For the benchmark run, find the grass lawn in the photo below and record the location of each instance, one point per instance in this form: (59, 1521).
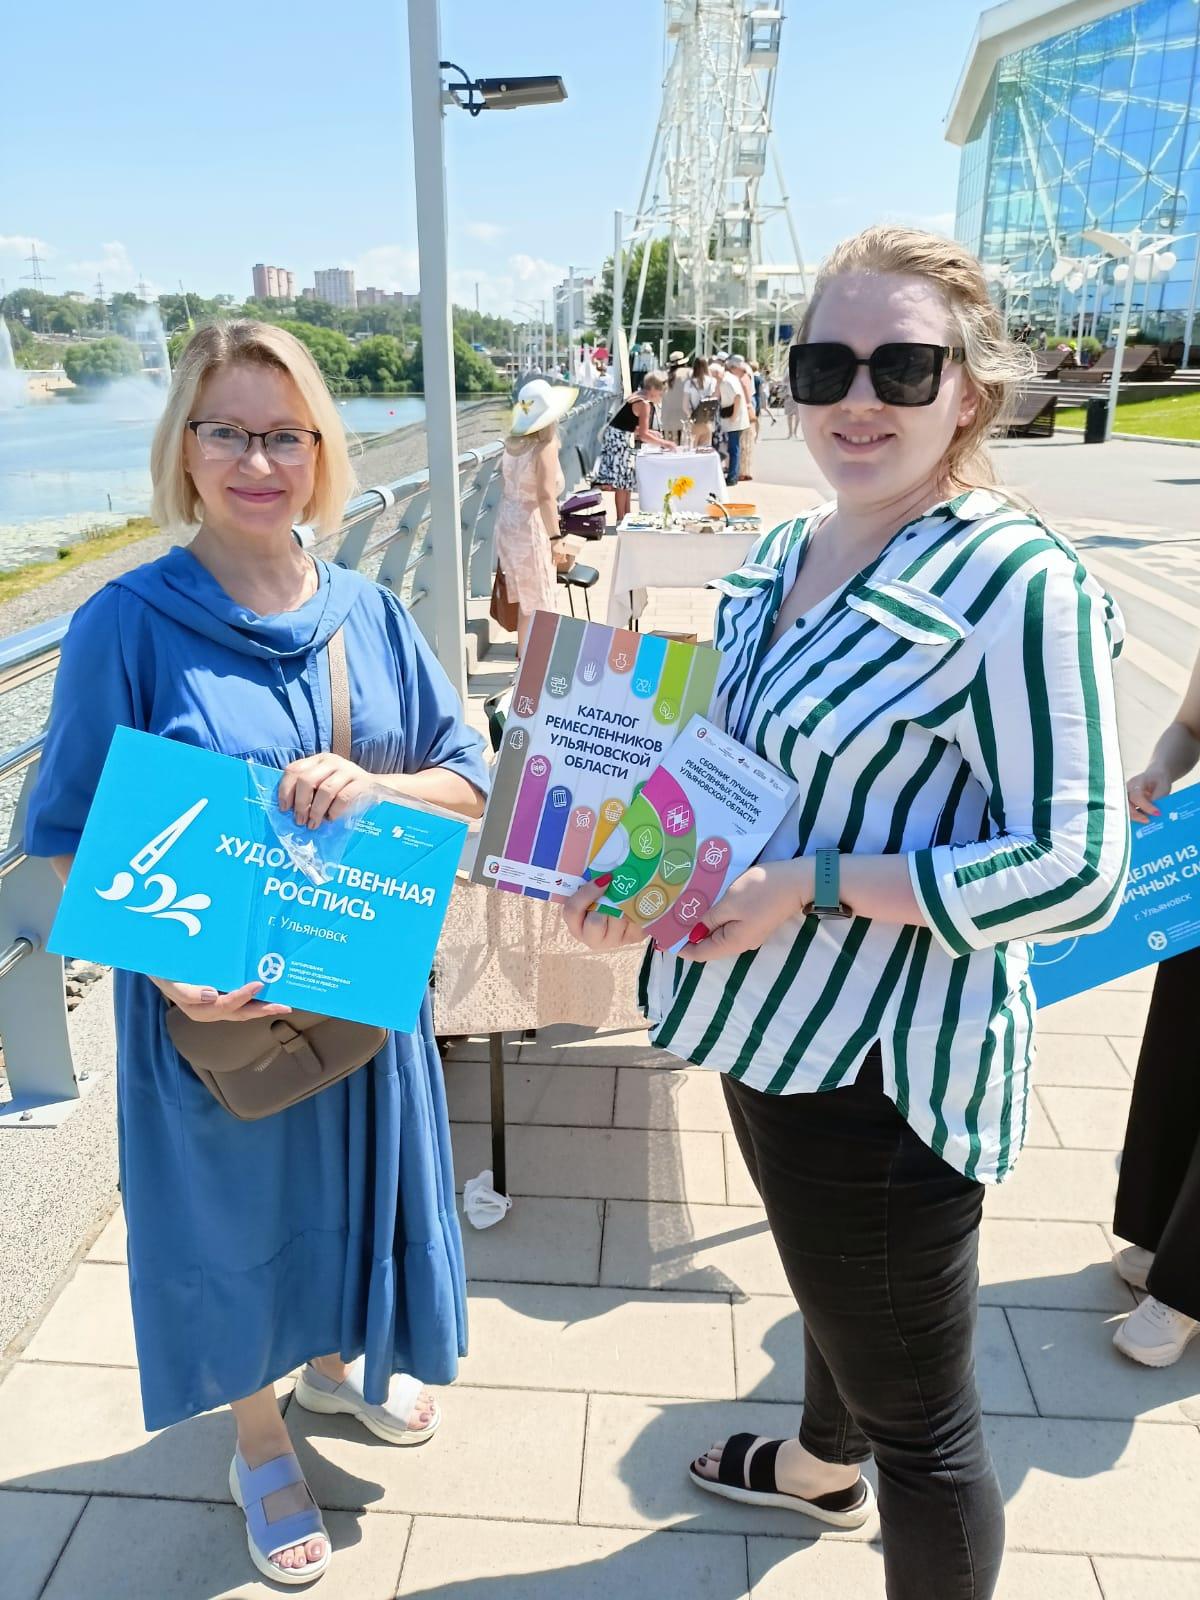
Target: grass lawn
(1176, 417)
(31, 576)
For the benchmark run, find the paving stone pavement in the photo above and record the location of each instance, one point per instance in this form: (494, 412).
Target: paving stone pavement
(630, 1310)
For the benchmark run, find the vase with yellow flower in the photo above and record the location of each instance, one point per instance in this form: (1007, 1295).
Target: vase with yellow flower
(675, 490)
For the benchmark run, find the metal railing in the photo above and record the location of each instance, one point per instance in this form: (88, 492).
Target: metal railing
(386, 534)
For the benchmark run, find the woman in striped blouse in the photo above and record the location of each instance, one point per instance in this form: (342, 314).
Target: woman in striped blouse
(934, 666)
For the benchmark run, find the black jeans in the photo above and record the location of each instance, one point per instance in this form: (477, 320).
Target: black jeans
(1158, 1195)
(879, 1240)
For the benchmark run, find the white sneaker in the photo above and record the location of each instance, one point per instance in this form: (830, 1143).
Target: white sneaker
(1155, 1334)
(1134, 1263)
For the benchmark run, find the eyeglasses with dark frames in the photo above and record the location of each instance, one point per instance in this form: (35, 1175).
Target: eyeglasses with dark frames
(902, 373)
(225, 441)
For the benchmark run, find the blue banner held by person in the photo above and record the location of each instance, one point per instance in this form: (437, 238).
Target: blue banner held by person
(1159, 915)
(187, 870)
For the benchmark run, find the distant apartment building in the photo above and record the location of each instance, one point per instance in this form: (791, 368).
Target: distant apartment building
(382, 297)
(572, 298)
(274, 283)
(336, 285)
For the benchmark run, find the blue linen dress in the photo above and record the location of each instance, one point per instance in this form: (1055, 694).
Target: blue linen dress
(331, 1226)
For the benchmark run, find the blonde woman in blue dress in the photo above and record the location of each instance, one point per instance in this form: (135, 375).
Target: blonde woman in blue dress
(324, 1237)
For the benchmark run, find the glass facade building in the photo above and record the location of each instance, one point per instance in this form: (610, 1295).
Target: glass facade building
(1097, 126)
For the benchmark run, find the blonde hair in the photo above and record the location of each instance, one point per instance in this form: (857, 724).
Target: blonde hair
(523, 444)
(995, 365)
(252, 344)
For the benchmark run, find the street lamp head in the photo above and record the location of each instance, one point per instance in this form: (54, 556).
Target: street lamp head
(507, 94)
(503, 94)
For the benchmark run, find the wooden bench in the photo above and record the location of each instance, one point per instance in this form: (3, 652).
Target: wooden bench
(1141, 363)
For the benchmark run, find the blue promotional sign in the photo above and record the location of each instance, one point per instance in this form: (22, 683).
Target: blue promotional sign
(187, 870)
(1159, 915)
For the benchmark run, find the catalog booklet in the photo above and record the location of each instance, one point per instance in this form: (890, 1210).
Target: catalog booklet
(594, 710)
(704, 816)
(188, 870)
(1159, 915)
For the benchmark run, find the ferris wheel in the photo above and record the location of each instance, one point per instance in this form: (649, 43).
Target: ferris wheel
(708, 185)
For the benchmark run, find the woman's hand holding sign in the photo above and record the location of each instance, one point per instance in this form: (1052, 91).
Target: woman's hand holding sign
(205, 1004)
(1144, 788)
(324, 786)
(749, 912)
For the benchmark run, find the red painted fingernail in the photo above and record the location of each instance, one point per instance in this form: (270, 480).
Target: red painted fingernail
(700, 932)
(603, 881)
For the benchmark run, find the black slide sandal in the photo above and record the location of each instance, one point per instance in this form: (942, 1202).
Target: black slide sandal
(843, 1508)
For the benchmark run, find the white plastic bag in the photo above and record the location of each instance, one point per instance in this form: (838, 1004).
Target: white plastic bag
(483, 1206)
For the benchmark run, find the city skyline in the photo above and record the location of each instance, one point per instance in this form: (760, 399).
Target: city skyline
(530, 192)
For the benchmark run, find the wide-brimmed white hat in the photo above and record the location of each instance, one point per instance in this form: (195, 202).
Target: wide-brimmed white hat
(539, 404)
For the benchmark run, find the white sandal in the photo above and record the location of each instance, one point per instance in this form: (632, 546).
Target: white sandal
(249, 1487)
(388, 1421)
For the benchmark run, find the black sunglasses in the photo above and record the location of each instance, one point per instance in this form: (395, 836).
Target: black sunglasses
(902, 374)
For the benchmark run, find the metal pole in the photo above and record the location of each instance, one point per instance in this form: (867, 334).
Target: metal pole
(542, 309)
(569, 321)
(446, 598)
(641, 290)
(618, 278)
(1191, 316)
(775, 351)
(1115, 384)
(664, 348)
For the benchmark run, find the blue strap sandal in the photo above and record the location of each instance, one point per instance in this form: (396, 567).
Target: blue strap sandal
(265, 1538)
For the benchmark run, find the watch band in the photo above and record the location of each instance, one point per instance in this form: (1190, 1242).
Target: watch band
(827, 900)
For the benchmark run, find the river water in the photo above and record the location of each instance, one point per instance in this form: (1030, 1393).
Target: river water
(69, 465)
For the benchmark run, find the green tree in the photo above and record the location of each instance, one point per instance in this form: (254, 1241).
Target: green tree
(330, 350)
(653, 300)
(176, 344)
(473, 373)
(380, 360)
(318, 313)
(101, 361)
(67, 317)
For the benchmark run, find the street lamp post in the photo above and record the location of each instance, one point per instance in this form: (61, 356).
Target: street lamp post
(1191, 315)
(445, 590)
(446, 594)
(618, 291)
(1138, 258)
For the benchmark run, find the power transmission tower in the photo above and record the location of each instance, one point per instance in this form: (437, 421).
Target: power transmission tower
(39, 281)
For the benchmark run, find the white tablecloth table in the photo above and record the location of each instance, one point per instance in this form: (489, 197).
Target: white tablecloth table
(655, 468)
(679, 560)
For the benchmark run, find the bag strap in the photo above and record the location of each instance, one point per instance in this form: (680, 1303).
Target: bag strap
(339, 696)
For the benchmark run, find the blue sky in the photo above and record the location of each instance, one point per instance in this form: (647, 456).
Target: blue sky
(189, 142)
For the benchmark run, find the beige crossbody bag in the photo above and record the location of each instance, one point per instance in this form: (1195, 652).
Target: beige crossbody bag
(257, 1068)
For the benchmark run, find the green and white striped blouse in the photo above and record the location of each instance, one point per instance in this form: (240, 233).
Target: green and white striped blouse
(953, 703)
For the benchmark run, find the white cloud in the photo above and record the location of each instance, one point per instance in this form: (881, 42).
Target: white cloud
(501, 283)
(114, 266)
(486, 231)
(389, 267)
(20, 244)
(112, 262)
